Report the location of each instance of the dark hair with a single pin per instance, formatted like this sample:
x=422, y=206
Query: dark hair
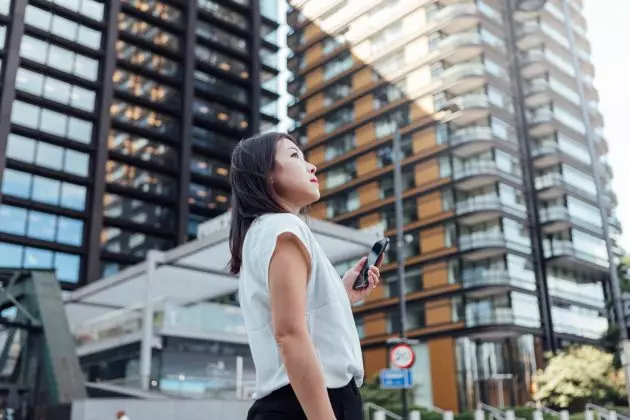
x=253, y=195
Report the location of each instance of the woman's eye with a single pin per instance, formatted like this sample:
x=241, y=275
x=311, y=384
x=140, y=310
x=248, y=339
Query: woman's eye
x=295, y=155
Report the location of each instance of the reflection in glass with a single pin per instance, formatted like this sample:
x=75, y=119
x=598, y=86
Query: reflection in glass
x=212, y=198
x=143, y=30
x=210, y=84
x=51, y=122
x=129, y=209
x=140, y=179
x=142, y=148
x=219, y=113
x=144, y=118
x=90, y=8
x=209, y=167
x=219, y=36
x=45, y=190
x=222, y=62
x=142, y=87
x=58, y=58
x=158, y=9
x=223, y=13
x=126, y=242
x=54, y=89
x=144, y=58
x=67, y=266
x=62, y=27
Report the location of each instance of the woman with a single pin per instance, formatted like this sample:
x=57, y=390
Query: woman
x=297, y=311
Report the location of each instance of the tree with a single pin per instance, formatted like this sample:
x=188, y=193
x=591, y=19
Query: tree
x=577, y=376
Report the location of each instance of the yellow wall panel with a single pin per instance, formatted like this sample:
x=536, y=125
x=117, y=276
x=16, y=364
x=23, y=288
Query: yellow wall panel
x=369, y=193
x=367, y=163
x=422, y=140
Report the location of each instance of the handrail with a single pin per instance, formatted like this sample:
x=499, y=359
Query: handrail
x=542, y=408
x=604, y=411
x=388, y=413
x=495, y=412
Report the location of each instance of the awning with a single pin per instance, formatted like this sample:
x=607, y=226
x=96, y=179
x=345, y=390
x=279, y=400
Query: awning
x=197, y=270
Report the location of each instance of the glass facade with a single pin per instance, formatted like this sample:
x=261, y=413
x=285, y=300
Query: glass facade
x=140, y=129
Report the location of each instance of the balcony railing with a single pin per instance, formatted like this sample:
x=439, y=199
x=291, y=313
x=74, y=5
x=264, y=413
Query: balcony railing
x=470, y=101
x=482, y=240
x=494, y=277
x=455, y=41
x=463, y=70
x=560, y=248
x=478, y=204
x=552, y=214
x=477, y=168
x=466, y=135
x=451, y=12
x=500, y=316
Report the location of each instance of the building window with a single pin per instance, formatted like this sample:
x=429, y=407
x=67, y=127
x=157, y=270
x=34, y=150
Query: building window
x=338, y=65
x=342, y=204
x=129, y=176
x=223, y=13
x=158, y=9
x=144, y=118
x=54, y=90
x=219, y=113
x=337, y=91
x=66, y=266
x=58, y=58
x=208, y=167
x=219, y=36
x=142, y=148
x=145, y=59
x=339, y=145
x=141, y=87
x=207, y=197
x=215, y=86
x=137, y=211
x=120, y=241
x=43, y=190
x=62, y=27
x=338, y=118
x=140, y=29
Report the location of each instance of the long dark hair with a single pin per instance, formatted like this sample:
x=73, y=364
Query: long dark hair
x=253, y=194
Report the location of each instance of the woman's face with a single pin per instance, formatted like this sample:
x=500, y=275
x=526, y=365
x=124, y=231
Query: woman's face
x=293, y=177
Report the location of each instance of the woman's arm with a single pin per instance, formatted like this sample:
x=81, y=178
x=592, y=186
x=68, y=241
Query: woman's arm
x=288, y=277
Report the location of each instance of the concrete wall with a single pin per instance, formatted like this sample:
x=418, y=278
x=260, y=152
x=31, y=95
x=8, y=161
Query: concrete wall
x=106, y=409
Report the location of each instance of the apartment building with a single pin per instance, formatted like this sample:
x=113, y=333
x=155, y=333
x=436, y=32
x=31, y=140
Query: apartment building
x=119, y=119
x=504, y=171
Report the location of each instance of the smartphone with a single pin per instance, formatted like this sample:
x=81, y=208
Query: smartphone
x=377, y=250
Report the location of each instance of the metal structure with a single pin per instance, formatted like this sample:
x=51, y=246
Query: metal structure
x=38, y=363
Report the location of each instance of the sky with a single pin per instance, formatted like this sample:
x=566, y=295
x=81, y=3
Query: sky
x=609, y=33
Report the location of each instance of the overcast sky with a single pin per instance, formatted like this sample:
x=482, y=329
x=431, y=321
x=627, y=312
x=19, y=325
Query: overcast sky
x=609, y=33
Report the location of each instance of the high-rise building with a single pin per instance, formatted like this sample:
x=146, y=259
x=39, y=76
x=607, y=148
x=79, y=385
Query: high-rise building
x=119, y=119
x=503, y=171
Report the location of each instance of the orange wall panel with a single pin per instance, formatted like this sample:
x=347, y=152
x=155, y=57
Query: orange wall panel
x=438, y=312
x=432, y=239
x=314, y=78
x=435, y=275
x=443, y=373
x=427, y=171
x=311, y=31
x=375, y=324
x=362, y=78
x=422, y=140
x=374, y=360
x=366, y=163
x=315, y=129
x=317, y=155
x=430, y=204
x=315, y=103
x=369, y=220
x=369, y=193
x=318, y=210
x=364, y=105
x=313, y=53
x=364, y=134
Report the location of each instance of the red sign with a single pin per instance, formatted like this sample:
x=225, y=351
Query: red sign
x=402, y=356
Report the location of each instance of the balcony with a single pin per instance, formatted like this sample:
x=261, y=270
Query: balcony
x=552, y=185
x=494, y=280
x=456, y=18
x=557, y=219
x=546, y=155
x=459, y=47
x=470, y=108
x=563, y=254
x=477, y=174
x=481, y=209
x=482, y=245
x=537, y=92
x=462, y=78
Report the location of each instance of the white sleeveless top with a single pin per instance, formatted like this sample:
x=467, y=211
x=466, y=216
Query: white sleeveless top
x=329, y=315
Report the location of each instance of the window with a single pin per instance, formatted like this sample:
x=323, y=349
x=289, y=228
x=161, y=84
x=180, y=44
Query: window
x=386, y=36
x=338, y=118
x=43, y=190
x=579, y=179
x=337, y=91
x=219, y=36
x=342, y=204
x=144, y=118
x=212, y=198
x=223, y=13
x=338, y=65
x=143, y=30
x=386, y=124
x=146, y=59
x=67, y=266
x=145, y=88
x=219, y=113
x=146, y=181
x=137, y=211
x=339, y=145
x=58, y=58
x=90, y=8
x=213, y=141
x=142, y=148
x=158, y=9
x=340, y=175
x=62, y=27
x=222, y=62
x=208, y=167
x=28, y=150
x=385, y=95
x=120, y=241
x=215, y=86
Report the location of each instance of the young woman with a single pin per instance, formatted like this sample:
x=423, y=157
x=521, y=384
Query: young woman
x=297, y=310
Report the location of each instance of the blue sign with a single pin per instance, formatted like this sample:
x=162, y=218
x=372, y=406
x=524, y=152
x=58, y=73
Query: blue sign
x=396, y=379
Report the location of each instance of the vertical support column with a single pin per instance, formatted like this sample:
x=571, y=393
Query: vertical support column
x=146, y=349
x=11, y=64
x=99, y=158
x=254, y=75
x=188, y=95
x=531, y=194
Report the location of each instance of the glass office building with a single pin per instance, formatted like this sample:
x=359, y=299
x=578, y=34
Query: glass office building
x=504, y=173
x=119, y=119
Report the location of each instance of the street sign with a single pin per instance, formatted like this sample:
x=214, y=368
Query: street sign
x=402, y=356
x=396, y=379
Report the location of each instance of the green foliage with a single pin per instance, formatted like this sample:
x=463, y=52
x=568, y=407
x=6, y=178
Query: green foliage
x=577, y=376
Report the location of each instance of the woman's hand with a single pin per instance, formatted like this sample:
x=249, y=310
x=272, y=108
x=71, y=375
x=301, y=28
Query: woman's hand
x=351, y=276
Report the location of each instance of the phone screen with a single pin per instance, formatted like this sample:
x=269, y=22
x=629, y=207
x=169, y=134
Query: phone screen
x=375, y=253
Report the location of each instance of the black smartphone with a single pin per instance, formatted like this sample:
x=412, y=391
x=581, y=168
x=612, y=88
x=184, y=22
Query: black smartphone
x=377, y=250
